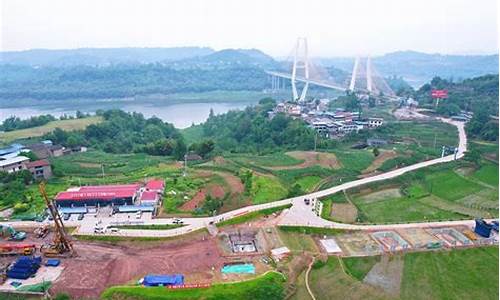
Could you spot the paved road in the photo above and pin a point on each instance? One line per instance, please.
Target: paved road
(299, 214)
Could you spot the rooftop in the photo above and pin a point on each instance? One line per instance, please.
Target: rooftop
(149, 196)
(104, 192)
(38, 163)
(155, 184)
(13, 160)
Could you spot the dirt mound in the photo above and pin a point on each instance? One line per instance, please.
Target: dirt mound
(311, 158)
(98, 266)
(384, 156)
(216, 191)
(219, 160)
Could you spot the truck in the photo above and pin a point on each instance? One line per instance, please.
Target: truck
(11, 233)
(17, 249)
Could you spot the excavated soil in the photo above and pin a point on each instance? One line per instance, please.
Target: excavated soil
(311, 158)
(99, 266)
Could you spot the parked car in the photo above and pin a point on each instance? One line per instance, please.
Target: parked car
(177, 221)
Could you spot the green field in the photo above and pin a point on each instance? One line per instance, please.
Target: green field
(358, 267)
(488, 174)
(401, 209)
(68, 125)
(355, 160)
(308, 183)
(457, 274)
(266, 287)
(267, 189)
(450, 186)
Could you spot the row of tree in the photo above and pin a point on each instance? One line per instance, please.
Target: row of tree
(123, 132)
(15, 123)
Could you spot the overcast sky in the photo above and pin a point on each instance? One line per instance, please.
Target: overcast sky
(333, 27)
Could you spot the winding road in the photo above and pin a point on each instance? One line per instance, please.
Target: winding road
(299, 214)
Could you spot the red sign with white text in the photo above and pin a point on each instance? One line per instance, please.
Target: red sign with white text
(439, 94)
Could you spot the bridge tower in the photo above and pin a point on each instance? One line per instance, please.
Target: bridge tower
(354, 74)
(300, 62)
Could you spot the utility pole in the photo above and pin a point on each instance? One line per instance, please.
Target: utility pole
(185, 165)
(315, 140)
(435, 137)
(102, 169)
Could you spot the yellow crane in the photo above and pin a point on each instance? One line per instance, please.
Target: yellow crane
(61, 246)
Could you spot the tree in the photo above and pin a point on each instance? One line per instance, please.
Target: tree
(31, 155)
(376, 152)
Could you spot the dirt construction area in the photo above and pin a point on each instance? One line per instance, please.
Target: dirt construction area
(311, 158)
(344, 212)
(100, 265)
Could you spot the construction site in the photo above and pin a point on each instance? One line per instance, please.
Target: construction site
(48, 259)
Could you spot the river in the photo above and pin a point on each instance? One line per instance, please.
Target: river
(182, 115)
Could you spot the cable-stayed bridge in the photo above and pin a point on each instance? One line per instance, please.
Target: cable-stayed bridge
(298, 67)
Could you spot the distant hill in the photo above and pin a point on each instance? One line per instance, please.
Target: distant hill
(100, 56)
(417, 68)
(100, 74)
(228, 58)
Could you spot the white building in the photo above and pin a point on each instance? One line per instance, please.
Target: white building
(13, 164)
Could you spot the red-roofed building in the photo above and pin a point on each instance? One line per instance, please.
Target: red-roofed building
(100, 195)
(149, 198)
(155, 185)
(40, 169)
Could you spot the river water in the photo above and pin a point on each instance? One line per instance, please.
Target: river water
(182, 115)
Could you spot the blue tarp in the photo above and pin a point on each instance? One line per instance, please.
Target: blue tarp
(163, 280)
(482, 228)
(24, 267)
(52, 262)
(134, 208)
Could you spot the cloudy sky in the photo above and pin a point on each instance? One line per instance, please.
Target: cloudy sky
(333, 27)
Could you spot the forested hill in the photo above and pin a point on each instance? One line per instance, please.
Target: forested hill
(230, 70)
(100, 56)
(479, 95)
(251, 130)
(21, 82)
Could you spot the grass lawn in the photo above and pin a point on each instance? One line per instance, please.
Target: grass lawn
(68, 125)
(358, 267)
(308, 183)
(267, 189)
(488, 173)
(458, 274)
(266, 287)
(450, 186)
